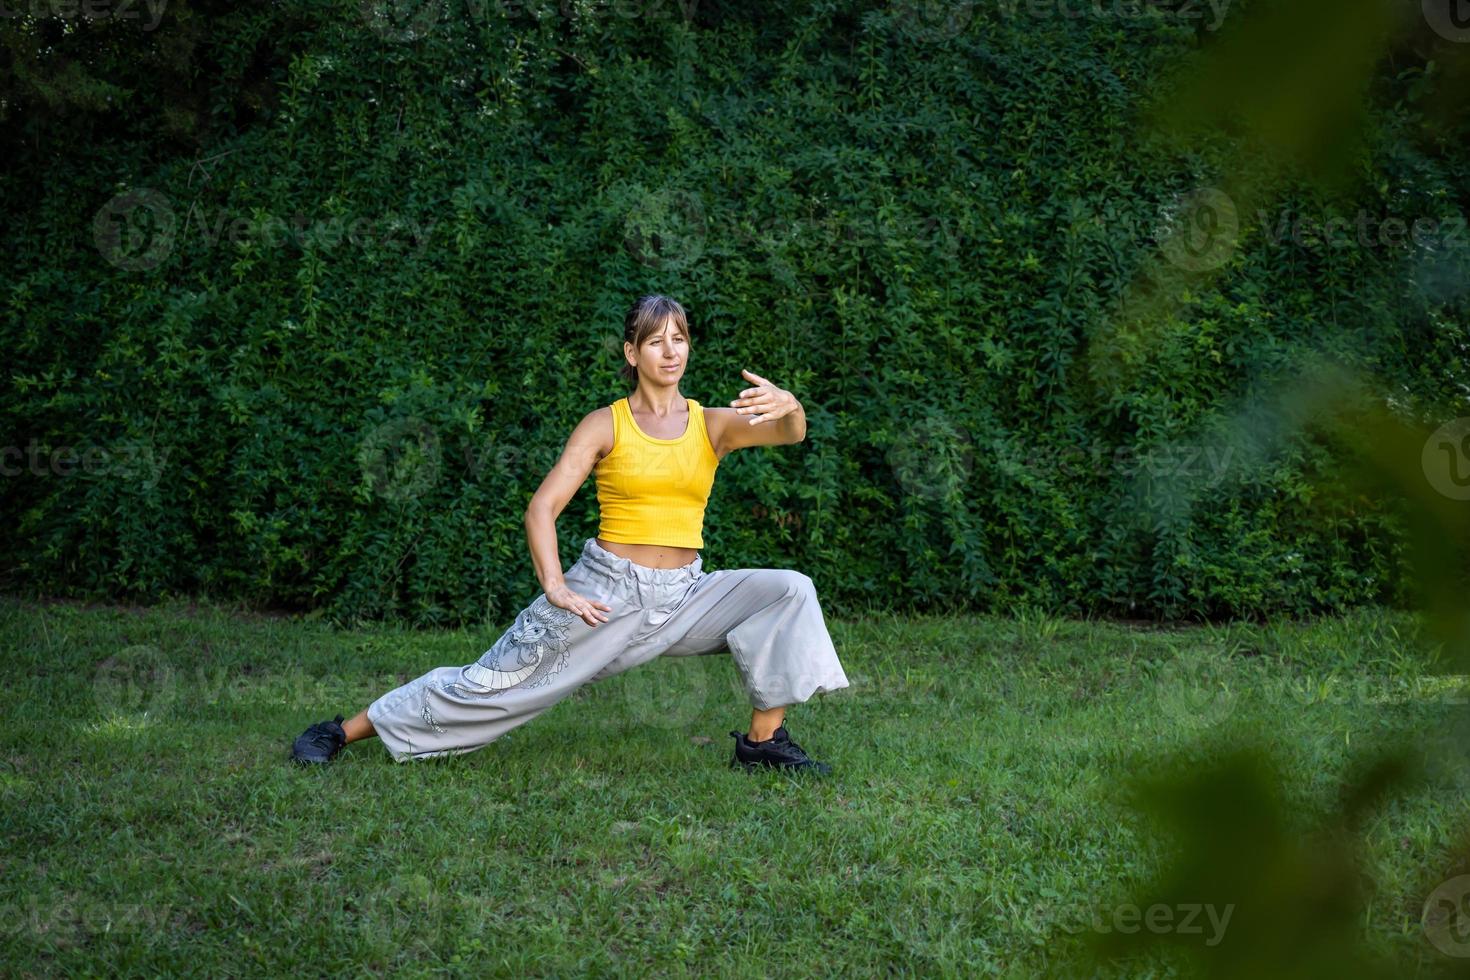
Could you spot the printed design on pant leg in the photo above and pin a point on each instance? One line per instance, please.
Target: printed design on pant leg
(528, 655)
(428, 712)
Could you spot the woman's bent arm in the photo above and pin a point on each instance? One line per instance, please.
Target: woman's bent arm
(590, 441)
(541, 539)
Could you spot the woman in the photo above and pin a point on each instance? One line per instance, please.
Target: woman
(638, 590)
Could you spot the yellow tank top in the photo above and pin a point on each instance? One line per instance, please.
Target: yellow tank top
(653, 491)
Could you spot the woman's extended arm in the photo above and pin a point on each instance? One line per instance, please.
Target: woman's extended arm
(763, 415)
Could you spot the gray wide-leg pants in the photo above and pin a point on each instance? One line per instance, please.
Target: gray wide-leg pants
(768, 618)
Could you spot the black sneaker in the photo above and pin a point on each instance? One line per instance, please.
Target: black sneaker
(319, 742)
(777, 751)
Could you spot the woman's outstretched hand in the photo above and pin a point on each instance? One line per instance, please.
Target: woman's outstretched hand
(765, 402)
(590, 610)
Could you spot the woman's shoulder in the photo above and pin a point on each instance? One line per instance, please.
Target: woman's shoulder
(598, 430)
(714, 421)
(715, 414)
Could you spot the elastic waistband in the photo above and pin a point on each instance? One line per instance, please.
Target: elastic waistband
(596, 554)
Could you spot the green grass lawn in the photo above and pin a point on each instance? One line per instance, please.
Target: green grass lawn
(977, 821)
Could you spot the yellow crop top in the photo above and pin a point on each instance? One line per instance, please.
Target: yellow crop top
(653, 491)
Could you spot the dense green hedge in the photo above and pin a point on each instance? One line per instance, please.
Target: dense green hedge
(315, 293)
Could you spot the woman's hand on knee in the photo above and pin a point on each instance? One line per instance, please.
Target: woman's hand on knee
(591, 611)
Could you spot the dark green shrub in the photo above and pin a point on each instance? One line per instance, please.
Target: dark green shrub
(379, 268)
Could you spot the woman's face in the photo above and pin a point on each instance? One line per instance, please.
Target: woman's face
(664, 353)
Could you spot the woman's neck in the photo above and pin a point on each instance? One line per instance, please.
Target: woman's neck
(660, 404)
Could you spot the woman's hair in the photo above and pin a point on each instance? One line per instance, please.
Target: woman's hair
(646, 317)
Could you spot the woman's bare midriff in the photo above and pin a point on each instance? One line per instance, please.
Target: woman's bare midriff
(651, 555)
